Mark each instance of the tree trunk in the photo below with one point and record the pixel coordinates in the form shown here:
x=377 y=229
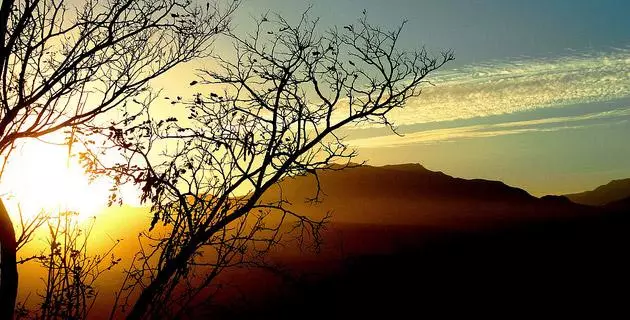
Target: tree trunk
x=148 y=294
x=8 y=246
x=5 y=13
x=8 y=266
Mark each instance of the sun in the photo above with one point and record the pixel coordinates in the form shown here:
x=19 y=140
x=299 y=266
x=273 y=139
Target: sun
x=40 y=176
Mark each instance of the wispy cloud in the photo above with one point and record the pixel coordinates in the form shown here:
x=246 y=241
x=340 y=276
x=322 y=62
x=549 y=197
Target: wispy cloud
x=496 y=129
x=478 y=96
x=502 y=87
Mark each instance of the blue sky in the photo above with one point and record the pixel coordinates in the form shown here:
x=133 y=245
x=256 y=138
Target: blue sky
x=479 y=30
x=538 y=97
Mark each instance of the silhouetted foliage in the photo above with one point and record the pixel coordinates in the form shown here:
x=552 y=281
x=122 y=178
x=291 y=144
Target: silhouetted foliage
x=271 y=110
x=62 y=66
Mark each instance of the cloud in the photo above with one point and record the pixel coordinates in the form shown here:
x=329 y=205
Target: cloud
x=518 y=87
x=505 y=87
x=496 y=129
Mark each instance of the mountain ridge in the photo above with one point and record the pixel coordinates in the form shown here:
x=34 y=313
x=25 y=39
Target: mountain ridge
x=412 y=194
x=426 y=254
x=615 y=190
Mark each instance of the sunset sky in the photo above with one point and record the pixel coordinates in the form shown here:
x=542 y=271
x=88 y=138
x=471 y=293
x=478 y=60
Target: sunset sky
x=213 y=186
x=538 y=97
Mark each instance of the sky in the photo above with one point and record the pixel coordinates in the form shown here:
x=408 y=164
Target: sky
x=538 y=97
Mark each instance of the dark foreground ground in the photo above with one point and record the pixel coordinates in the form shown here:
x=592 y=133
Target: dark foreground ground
x=562 y=269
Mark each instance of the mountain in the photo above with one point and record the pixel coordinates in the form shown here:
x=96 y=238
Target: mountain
x=615 y=190
x=410 y=194
x=622 y=205
x=406 y=241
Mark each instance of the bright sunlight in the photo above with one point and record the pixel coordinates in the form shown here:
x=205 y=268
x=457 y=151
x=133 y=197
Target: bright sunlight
x=41 y=177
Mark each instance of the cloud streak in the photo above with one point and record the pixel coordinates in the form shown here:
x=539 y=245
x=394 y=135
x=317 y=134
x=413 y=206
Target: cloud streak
x=498 y=88
x=496 y=129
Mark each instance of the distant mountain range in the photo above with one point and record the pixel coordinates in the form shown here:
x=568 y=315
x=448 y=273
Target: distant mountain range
x=406 y=241
x=410 y=194
x=614 y=191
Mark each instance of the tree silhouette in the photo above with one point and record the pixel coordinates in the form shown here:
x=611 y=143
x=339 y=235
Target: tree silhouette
x=274 y=112
x=62 y=66
x=71 y=269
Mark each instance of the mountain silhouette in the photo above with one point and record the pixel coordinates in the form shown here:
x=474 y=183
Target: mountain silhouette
x=407 y=241
x=622 y=205
x=410 y=194
x=615 y=190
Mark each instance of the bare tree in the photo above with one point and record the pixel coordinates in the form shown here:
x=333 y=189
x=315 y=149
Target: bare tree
x=61 y=66
x=277 y=105
x=71 y=269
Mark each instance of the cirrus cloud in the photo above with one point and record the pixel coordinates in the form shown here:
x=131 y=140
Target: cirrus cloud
x=523 y=85
x=496 y=129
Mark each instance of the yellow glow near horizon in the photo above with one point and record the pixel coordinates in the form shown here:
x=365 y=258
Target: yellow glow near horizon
x=40 y=177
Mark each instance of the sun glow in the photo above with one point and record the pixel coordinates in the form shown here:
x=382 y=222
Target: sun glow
x=40 y=177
